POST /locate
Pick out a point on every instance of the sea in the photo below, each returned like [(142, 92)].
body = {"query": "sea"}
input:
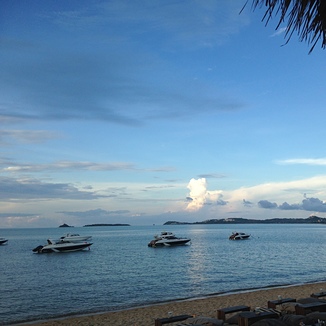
[(120, 271)]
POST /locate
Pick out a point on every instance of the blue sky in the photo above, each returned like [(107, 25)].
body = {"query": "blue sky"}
[(142, 112)]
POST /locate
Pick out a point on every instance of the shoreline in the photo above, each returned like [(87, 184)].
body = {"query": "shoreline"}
[(199, 306)]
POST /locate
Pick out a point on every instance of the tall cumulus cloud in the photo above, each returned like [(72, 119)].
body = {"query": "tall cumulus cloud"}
[(200, 196)]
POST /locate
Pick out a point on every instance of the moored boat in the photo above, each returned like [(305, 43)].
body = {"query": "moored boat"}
[(167, 239), (75, 237), (59, 246), (239, 236), (3, 241)]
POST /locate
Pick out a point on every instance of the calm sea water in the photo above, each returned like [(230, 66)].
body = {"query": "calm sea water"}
[(120, 271)]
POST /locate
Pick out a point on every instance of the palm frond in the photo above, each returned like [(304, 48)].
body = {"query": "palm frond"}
[(306, 17)]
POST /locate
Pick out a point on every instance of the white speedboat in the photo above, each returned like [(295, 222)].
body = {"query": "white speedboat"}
[(239, 236), (75, 237), (3, 241), (59, 246), (167, 239)]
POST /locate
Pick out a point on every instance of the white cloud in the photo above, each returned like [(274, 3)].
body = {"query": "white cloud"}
[(197, 193), (200, 196), (285, 196), (26, 136), (280, 31), (10, 166), (281, 191), (304, 161)]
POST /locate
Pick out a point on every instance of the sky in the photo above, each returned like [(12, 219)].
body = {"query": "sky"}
[(143, 112)]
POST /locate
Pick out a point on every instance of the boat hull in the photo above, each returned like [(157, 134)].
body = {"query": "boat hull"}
[(3, 241), (168, 243), (239, 236), (63, 247), (167, 239)]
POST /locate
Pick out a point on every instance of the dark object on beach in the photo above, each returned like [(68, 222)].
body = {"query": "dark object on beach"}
[(318, 294), (249, 317), (305, 308), (221, 313), (169, 320), (274, 303)]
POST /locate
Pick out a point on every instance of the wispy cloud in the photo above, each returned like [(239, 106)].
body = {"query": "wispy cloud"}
[(114, 84), (280, 31), (247, 203), (211, 176), (159, 187), (303, 161), (27, 136), (28, 189), (68, 165), (13, 167), (14, 214), (95, 213), (211, 22)]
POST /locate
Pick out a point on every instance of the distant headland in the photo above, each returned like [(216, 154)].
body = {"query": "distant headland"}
[(87, 225), (310, 220), (64, 225)]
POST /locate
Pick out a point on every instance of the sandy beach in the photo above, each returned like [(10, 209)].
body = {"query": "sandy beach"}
[(145, 316)]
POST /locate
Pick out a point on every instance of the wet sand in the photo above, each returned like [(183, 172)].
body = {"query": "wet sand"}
[(145, 316)]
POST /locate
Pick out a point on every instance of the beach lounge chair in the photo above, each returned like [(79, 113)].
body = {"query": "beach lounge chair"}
[(202, 321), (170, 320), (274, 303), (187, 320), (318, 294), (315, 318), (221, 313), (272, 322), (306, 308), (248, 318)]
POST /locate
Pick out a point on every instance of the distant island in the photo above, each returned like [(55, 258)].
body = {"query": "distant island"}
[(87, 225), (64, 225), (310, 220)]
